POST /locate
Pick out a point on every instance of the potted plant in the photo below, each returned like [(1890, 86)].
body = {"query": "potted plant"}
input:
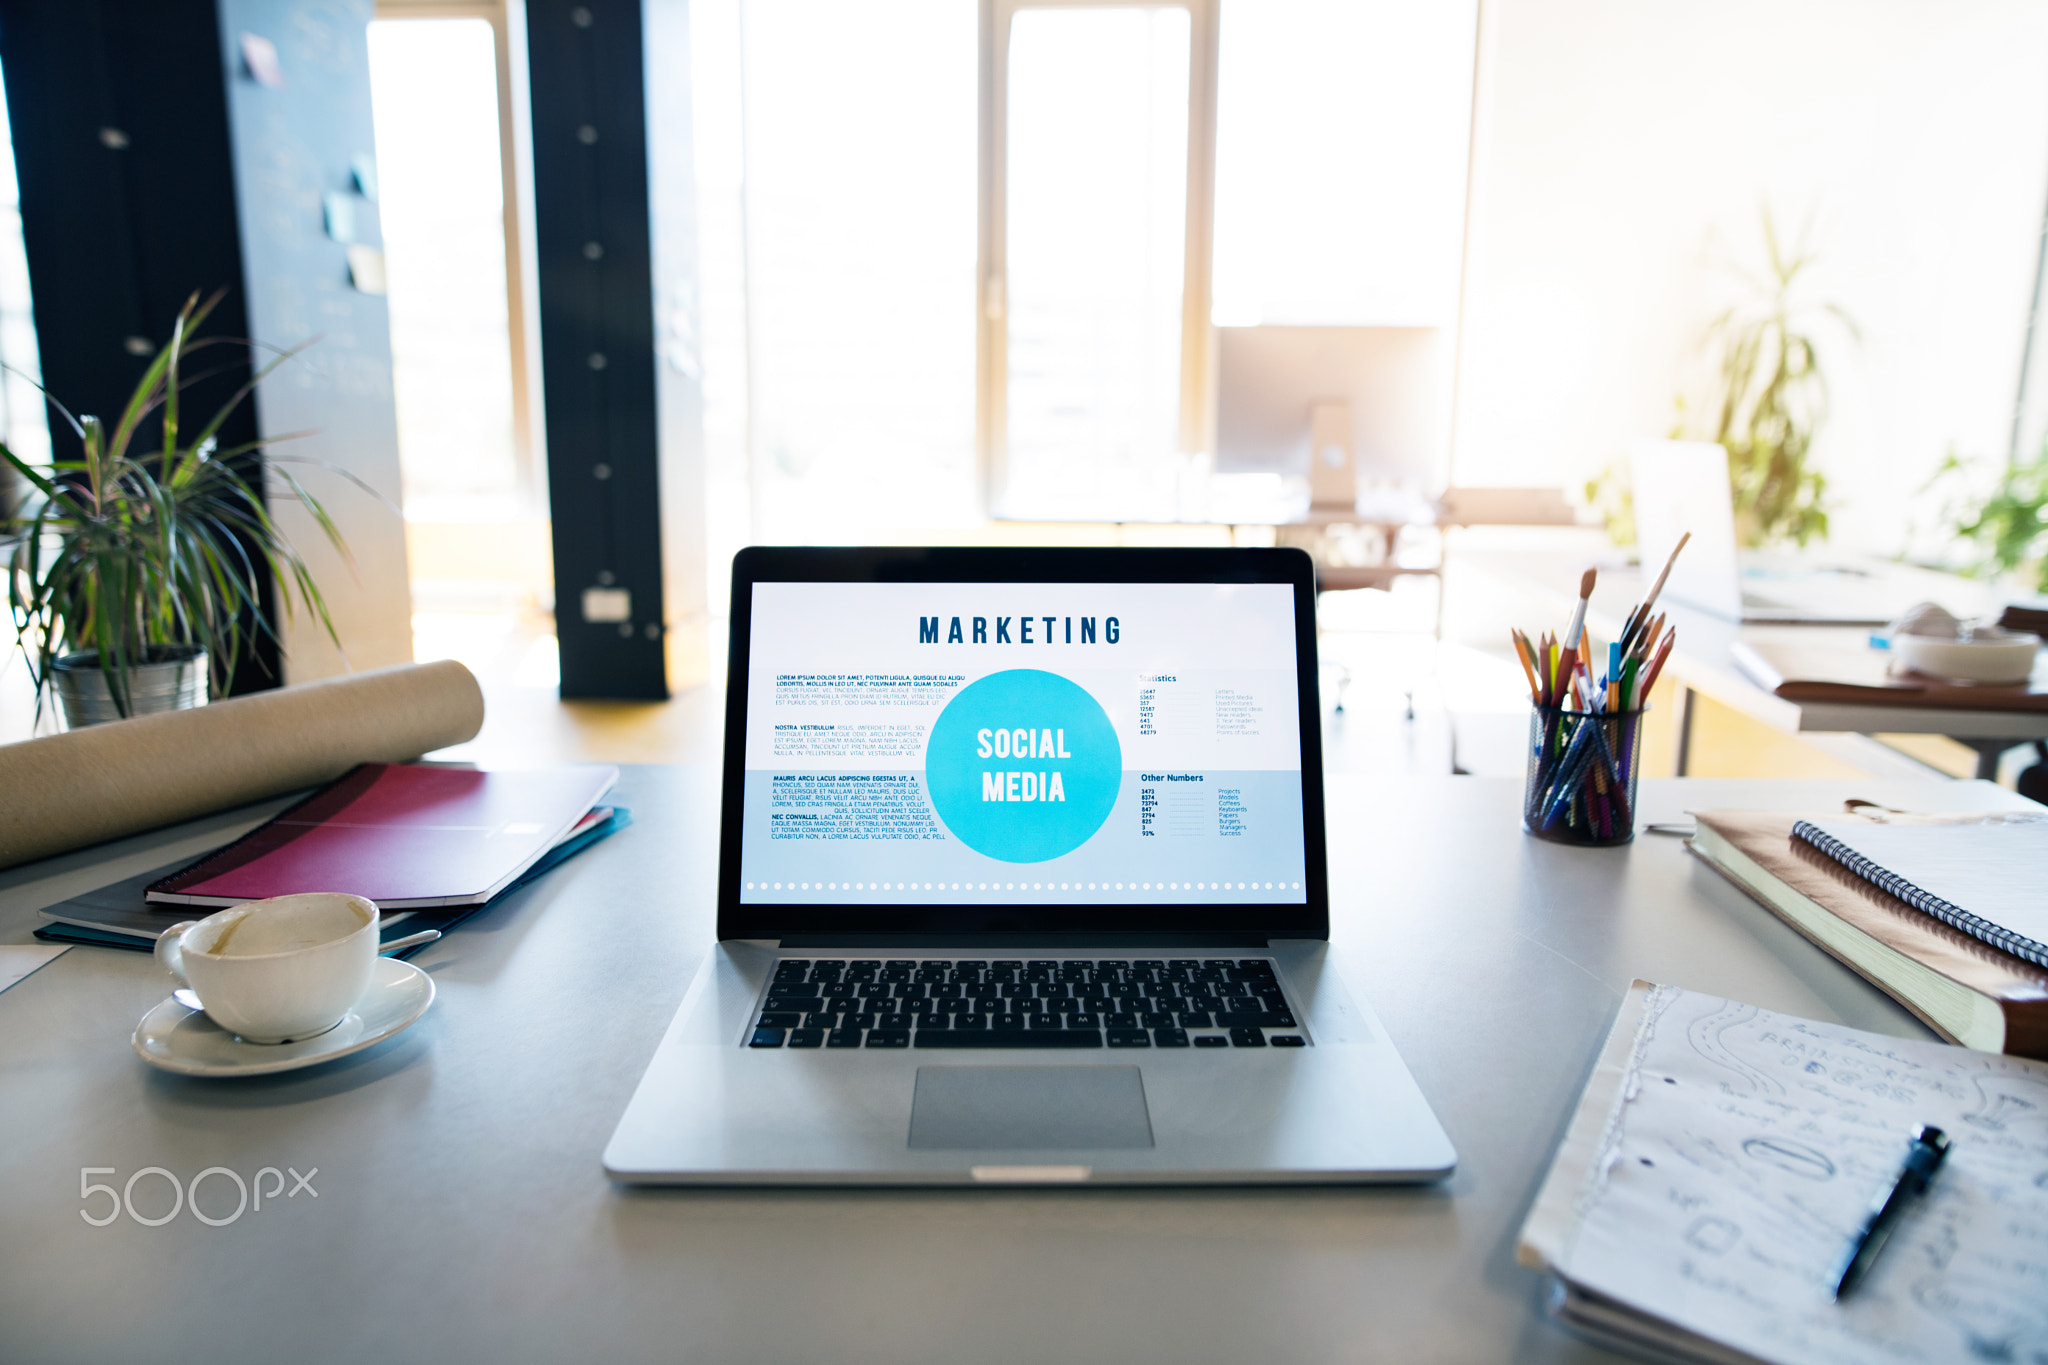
[(1773, 398), (1997, 530), (1770, 398), (134, 575)]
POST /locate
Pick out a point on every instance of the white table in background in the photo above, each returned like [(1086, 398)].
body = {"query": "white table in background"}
[(1703, 663)]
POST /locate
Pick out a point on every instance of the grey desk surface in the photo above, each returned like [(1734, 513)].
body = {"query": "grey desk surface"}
[(461, 1213)]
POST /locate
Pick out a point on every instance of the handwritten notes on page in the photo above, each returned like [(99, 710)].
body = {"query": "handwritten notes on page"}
[(1733, 1156)]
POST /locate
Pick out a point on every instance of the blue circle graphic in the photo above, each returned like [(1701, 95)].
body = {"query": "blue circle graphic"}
[(1023, 766)]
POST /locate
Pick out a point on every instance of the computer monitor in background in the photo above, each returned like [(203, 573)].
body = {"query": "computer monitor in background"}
[(1341, 405), (1681, 488)]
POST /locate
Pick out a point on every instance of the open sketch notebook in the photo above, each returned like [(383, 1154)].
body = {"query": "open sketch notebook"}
[(1723, 1155)]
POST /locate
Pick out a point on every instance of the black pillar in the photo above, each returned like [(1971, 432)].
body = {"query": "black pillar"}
[(593, 253), (119, 115)]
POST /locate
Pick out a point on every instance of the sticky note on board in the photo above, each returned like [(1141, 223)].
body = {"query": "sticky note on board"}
[(259, 59), (366, 268), (339, 210)]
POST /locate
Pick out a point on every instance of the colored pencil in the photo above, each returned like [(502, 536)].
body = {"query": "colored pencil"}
[(1528, 669), (1657, 664)]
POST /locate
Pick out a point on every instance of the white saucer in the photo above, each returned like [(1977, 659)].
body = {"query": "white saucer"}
[(183, 1040)]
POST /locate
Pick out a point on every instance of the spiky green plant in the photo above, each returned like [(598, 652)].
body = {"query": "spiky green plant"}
[(126, 553), (2002, 530), (1772, 398)]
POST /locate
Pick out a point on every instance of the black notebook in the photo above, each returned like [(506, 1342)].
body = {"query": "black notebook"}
[(1986, 875)]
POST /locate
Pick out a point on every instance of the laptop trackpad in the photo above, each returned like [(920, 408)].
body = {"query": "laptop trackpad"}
[(1029, 1107)]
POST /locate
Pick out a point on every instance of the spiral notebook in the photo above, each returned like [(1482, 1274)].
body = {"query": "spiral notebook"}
[(1986, 875)]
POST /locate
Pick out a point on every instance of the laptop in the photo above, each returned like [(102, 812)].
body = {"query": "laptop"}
[(1021, 881), (1680, 486)]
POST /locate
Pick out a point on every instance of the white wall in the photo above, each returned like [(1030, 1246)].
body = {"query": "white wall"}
[(1625, 150)]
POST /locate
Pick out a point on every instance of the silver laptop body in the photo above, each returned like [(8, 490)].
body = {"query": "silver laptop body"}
[(1086, 947)]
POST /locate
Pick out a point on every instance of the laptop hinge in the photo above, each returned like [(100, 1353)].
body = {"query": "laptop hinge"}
[(964, 942)]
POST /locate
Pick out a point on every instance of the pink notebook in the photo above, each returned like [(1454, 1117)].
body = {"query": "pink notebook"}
[(409, 837)]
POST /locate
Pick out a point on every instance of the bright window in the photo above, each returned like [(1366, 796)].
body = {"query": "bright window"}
[(859, 134), (1097, 137), (434, 91), (23, 423), (1094, 241), (1341, 148)]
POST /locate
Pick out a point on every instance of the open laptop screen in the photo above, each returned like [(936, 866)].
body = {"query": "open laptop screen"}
[(1021, 744)]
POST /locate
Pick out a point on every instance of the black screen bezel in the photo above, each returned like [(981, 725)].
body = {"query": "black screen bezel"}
[(1066, 921)]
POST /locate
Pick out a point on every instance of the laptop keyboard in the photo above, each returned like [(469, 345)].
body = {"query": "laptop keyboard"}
[(1025, 1003)]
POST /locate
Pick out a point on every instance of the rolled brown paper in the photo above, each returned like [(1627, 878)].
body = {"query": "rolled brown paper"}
[(107, 781)]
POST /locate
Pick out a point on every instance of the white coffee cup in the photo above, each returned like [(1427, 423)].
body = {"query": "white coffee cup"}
[(277, 970)]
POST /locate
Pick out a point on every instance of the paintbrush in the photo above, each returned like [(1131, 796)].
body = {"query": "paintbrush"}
[(1571, 635), (1641, 614), (1646, 639)]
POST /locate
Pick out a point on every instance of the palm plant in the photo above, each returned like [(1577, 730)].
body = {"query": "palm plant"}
[(135, 555), (1773, 397)]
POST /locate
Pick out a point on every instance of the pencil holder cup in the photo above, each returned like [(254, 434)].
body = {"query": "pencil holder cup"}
[(1582, 775)]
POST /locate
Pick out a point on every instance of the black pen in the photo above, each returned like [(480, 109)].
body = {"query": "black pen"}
[(1923, 1159)]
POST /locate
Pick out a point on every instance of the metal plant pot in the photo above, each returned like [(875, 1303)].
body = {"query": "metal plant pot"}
[(171, 678)]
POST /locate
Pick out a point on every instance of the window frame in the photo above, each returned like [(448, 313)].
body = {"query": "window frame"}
[(1197, 337), (515, 168)]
